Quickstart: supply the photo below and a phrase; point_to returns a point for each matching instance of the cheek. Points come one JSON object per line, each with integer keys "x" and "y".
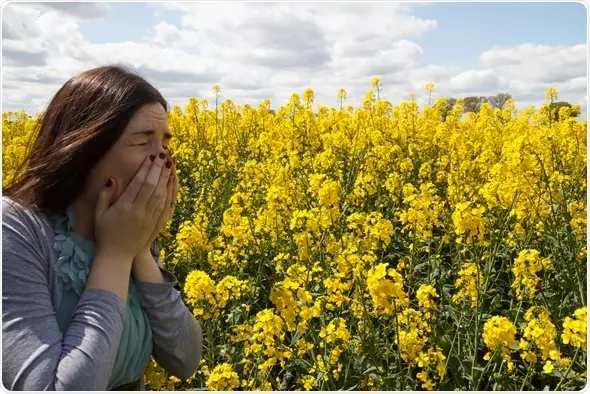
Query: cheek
{"x": 122, "y": 168}
{"x": 126, "y": 171}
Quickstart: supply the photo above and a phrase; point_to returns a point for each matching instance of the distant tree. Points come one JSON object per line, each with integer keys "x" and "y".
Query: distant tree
{"x": 473, "y": 103}
{"x": 451, "y": 102}
{"x": 499, "y": 100}
{"x": 446, "y": 108}
{"x": 555, "y": 107}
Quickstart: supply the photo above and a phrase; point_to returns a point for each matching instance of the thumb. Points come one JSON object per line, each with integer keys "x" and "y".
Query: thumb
{"x": 104, "y": 198}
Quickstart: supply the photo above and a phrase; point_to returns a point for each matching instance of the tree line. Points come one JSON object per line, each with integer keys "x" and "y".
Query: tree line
{"x": 474, "y": 103}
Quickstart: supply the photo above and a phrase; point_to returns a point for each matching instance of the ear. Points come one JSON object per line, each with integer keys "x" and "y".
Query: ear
{"x": 112, "y": 196}
{"x": 105, "y": 198}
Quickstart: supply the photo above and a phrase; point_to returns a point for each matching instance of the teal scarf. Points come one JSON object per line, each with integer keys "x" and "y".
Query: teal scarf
{"x": 72, "y": 268}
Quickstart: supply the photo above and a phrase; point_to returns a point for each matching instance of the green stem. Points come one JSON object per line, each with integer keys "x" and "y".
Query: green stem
{"x": 489, "y": 380}
{"x": 526, "y": 377}
{"x": 399, "y": 347}
{"x": 453, "y": 342}
{"x": 486, "y": 369}
{"x": 568, "y": 370}
{"x": 499, "y": 372}
{"x": 476, "y": 325}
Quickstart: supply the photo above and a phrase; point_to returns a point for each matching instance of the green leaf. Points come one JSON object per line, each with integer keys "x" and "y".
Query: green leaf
{"x": 495, "y": 302}
{"x": 418, "y": 267}
{"x": 370, "y": 369}
{"x": 451, "y": 311}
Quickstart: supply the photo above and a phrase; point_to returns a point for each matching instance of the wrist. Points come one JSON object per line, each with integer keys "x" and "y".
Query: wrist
{"x": 144, "y": 254}
{"x": 108, "y": 254}
{"x": 145, "y": 268}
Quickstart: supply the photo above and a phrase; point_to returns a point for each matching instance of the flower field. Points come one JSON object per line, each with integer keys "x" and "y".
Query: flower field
{"x": 376, "y": 248}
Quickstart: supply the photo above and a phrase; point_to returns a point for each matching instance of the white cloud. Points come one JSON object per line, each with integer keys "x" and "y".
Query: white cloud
{"x": 524, "y": 71}
{"x": 537, "y": 63}
{"x": 260, "y": 50}
{"x": 77, "y": 10}
{"x": 18, "y": 20}
{"x": 165, "y": 33}
{"x": 473, "y": 80}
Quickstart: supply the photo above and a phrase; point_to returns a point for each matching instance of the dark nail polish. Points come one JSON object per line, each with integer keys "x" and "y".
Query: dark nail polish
{"x": 153, "y": 157}
{"x": 109, "y": 183}
{"x": 162, "y": 156}
{"x": 168, "y": 164}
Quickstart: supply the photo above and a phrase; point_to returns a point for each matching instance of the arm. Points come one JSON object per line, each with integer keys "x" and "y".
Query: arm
{"x": 176, "y": 333}
{"x": 35, "y": 354}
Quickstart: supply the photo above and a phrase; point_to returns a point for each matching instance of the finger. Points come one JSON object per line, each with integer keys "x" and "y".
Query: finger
{"x": 150, "y": 185}
{"x": 132, "y": 190}
{"x": 173, "y": 165}
{"x": 163, "y": 208}
{"x": 170, "y": 200}
{"x": 153, "y": 205}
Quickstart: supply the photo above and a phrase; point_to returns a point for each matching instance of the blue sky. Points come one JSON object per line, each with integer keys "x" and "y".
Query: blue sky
{"x": 502, "y": 24}
{"x": 269, "y": 50}
{"x": 543, "y": 23}
{"x": 119, "y": 26}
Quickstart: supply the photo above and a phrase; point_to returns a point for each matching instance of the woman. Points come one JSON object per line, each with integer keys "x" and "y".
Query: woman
{"x": 85, "y": 299}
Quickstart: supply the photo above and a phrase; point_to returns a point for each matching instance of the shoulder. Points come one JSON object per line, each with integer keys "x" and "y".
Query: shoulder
{"x": 25, "y": 226}
{"x": 14, "y": 211}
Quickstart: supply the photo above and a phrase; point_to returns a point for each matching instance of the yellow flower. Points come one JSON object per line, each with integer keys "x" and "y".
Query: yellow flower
{"x": 424, "y": 294}
{"x": 575, "y": 330}
{"x": 468, "y": 218}
{"x": 541, "y": 333}
{"x": 551, "y": 93}
{"x": 308, "y": 382}
{"x": 548, "y": 367}
{"x": 470, "y": 280}
{"x": 199, "y": 288}
{"x": 498, "y": 331}
{"x": 385, "y": 291}
{"x": 413, "y": 334}
{"x": 525, "y": 269}
{"x": 223, "y": 378}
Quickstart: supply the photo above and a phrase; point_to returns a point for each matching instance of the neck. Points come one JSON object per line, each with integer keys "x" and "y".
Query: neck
{"x": 84, "y": 223}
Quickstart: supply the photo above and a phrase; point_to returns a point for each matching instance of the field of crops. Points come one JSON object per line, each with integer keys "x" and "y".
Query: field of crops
{"x": 380, "y": 247}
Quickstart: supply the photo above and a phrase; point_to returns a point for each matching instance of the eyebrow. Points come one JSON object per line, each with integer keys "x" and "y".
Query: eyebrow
{"x": 167, "y": 134}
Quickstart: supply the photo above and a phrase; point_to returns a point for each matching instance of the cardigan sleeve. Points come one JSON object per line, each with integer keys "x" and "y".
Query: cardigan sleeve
{"x": 35, "y": 353}
{"x": 177, "y": 335}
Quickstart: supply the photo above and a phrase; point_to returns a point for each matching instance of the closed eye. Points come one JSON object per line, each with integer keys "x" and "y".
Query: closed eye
{"x": 149, "y": 133}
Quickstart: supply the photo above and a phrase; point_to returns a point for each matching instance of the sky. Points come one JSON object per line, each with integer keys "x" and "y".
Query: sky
{"x": 258, "y": 50}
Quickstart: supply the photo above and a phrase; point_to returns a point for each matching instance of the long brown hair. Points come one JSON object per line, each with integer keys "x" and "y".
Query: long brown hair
{"x": 82, "y": 122}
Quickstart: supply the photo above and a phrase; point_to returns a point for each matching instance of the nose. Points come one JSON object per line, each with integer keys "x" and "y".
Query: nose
{"x": 162, "y": 149}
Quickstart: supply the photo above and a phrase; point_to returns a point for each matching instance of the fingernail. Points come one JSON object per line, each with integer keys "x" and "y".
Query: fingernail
{"x": 168, "y": 164}
{"x": 162, "y": 156}
{"x": 109, "y": 182}
{"x": 153, "y": 157}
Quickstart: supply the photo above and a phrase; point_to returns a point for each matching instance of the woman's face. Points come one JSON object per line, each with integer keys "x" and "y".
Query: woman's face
{"x": 146, "y": 134}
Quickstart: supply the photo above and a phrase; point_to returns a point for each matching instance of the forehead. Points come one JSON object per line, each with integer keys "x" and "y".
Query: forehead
{"x": 149, "y": 117}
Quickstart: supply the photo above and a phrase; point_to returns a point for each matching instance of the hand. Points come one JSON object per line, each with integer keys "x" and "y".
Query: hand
{"x": 124, "y": 227}
{"x": 169, "y": 206}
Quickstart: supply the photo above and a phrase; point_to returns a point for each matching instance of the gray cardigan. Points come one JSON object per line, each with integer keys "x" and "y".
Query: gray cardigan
{"x": 35, "y": 354}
